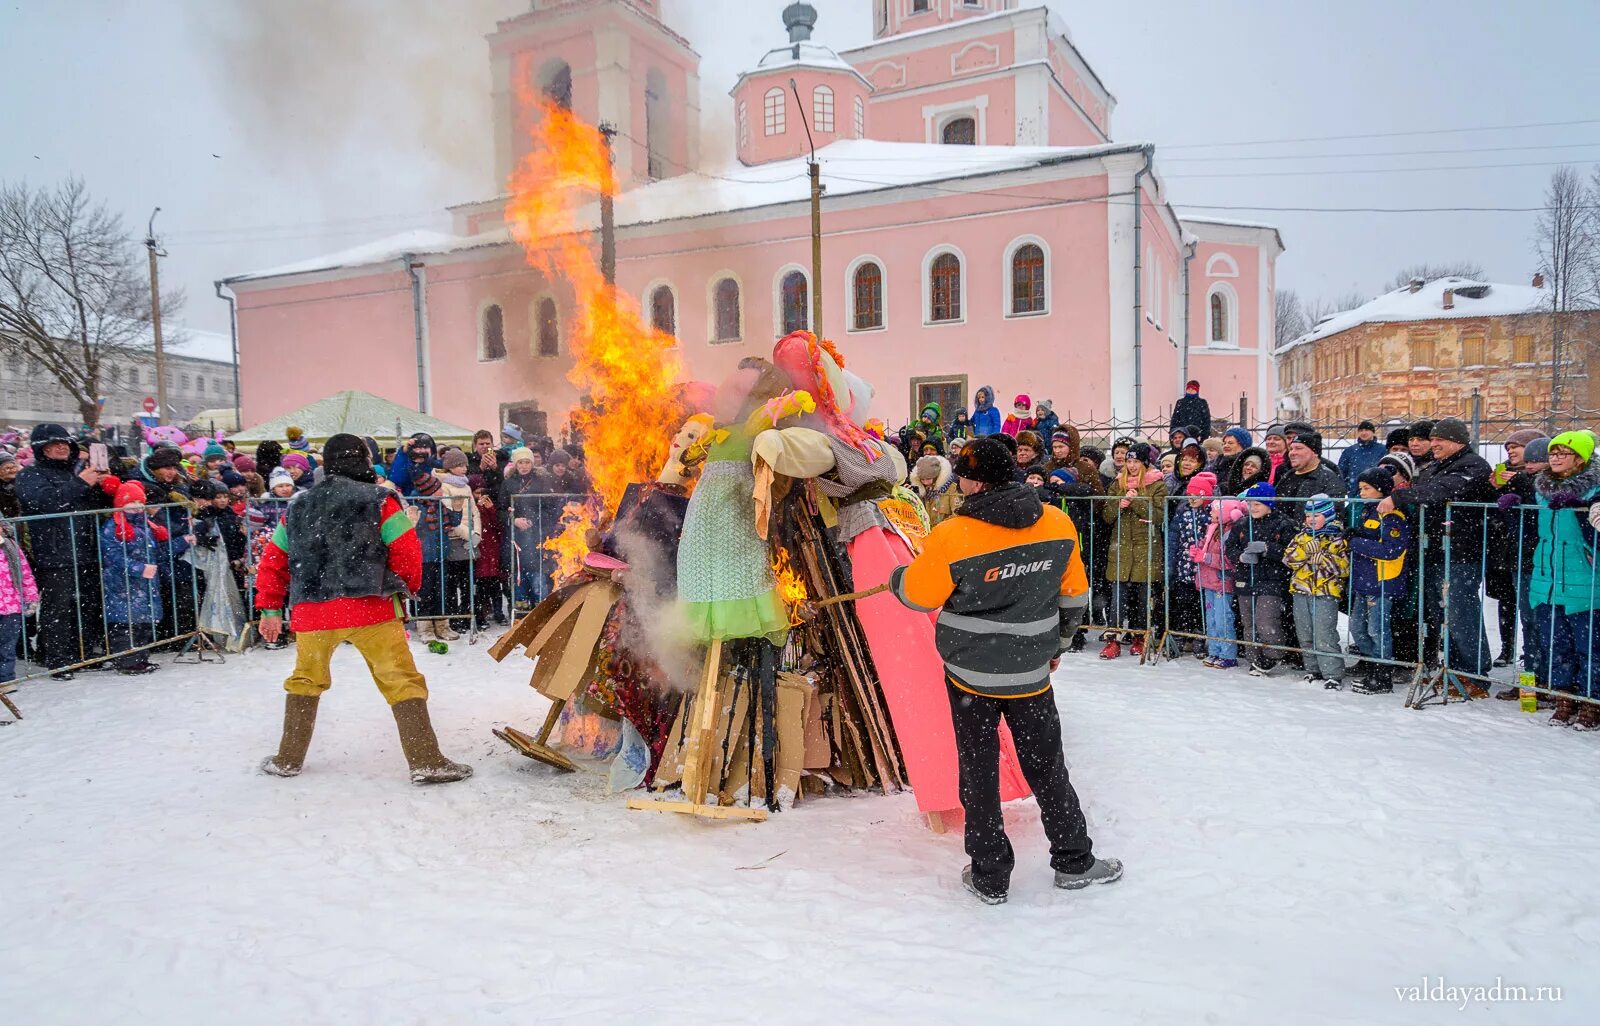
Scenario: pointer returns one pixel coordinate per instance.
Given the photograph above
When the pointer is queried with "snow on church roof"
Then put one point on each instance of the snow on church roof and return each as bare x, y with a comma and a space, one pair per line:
849, 167
1472, 299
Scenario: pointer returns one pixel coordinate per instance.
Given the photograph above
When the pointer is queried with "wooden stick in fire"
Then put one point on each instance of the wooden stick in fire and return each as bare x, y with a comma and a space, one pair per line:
849, 597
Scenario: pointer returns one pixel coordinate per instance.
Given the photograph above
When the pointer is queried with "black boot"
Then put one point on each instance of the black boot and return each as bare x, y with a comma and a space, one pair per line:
1379, 682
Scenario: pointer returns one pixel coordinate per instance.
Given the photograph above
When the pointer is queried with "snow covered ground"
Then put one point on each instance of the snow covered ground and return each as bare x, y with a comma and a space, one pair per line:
1293, 856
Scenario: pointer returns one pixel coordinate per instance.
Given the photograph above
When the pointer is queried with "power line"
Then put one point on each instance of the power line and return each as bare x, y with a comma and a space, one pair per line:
1380, 153
1387, 135
1364, 170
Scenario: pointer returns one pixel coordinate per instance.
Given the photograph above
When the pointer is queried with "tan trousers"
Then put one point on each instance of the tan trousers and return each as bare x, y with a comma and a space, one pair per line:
382, 645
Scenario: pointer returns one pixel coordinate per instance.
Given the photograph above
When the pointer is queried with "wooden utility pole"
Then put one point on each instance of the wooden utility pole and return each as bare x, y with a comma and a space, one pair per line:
608, 216
155, 317
816, 246
816, 215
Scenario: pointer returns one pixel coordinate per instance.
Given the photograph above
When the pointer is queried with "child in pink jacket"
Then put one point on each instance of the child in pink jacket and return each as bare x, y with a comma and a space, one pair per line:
1216, 589
18, 596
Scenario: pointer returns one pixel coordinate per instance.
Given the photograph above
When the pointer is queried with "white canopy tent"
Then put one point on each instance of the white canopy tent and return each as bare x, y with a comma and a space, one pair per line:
356, 413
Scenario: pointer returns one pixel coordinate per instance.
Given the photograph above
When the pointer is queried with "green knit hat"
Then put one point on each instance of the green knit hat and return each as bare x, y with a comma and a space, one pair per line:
1580, 442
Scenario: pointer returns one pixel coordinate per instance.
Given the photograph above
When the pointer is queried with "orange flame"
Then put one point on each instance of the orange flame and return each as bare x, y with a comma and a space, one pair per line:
624, 369
790, 587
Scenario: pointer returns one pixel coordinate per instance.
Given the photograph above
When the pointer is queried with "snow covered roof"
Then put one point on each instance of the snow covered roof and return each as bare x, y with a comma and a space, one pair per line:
849, 166
811, 55
196, 344
1472, 299
391, 247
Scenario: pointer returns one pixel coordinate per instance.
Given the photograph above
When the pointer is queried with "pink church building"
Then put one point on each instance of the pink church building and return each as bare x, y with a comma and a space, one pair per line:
981, 227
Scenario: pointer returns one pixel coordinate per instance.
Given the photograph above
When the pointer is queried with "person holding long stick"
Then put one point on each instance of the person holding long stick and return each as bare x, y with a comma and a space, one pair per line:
999, 571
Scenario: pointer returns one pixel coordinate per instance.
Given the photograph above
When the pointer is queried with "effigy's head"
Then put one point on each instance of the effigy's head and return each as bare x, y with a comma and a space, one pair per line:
842, 398
694, 430
752, 383
815, 366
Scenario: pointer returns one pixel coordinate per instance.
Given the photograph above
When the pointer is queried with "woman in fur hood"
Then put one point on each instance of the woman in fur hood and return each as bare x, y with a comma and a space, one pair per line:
935, 484
1249, 466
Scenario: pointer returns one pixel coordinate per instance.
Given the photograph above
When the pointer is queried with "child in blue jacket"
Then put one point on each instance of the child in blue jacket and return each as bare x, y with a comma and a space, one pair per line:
1378, 580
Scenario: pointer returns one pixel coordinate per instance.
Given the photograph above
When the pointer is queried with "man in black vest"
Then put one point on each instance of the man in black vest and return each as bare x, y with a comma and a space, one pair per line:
343, 559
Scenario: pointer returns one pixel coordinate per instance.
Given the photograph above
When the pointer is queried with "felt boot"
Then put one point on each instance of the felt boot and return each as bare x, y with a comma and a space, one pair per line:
421, 745
299, 719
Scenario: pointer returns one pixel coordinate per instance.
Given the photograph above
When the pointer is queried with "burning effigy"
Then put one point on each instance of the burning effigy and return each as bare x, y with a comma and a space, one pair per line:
706, 630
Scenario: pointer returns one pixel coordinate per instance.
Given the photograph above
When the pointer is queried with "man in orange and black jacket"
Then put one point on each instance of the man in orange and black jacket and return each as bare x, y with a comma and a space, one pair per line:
1006, 575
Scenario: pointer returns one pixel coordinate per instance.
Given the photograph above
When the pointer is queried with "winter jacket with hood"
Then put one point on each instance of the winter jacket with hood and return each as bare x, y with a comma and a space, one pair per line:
960, 426
932, 427
998, 573
1234, 483
1564, 569
1318, 561
17, 588
129, 543
52, 487
175, 518
1074, 448
1213, 571
943, 498
1046, 426
986, 419
1136, 549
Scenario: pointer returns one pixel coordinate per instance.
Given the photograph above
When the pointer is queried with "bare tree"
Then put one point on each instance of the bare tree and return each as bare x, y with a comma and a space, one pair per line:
74, 298
1430, 272
1320, 310
1291, 318
1566, 252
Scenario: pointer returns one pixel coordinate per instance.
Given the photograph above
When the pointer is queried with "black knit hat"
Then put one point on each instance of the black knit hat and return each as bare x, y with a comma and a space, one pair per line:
1422, 429
347, 456
204, 490
1311, 440
987, 460
1144, 452
164, 456
1379, 477
1398, 437
1008, 441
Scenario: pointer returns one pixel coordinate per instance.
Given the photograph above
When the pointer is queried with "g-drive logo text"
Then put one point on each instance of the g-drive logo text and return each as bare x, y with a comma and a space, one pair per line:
1001, 573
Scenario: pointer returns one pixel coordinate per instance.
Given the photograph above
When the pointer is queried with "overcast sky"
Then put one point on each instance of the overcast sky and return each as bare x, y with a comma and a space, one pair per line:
274, 130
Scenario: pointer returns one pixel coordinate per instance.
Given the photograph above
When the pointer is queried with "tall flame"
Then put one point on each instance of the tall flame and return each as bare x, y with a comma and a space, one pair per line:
622, 367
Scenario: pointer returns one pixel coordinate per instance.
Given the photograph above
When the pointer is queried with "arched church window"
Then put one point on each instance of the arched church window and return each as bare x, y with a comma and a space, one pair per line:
492, 338
961, 132
556, 83
796, 300
664, 311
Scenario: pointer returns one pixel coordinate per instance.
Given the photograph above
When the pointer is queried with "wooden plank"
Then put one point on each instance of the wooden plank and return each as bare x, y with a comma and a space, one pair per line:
756, 815
699, 733
578, 653
561, 617
535, 750
523, 631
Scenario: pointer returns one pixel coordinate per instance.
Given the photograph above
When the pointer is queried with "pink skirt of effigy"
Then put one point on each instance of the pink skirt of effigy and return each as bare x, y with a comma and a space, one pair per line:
912, 676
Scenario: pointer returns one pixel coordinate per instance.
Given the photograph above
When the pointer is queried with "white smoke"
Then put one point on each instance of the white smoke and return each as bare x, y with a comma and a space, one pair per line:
656, 628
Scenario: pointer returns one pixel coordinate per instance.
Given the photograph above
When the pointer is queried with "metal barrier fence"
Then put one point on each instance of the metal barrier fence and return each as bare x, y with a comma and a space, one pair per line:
1408, 592
112, 590
479, 562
